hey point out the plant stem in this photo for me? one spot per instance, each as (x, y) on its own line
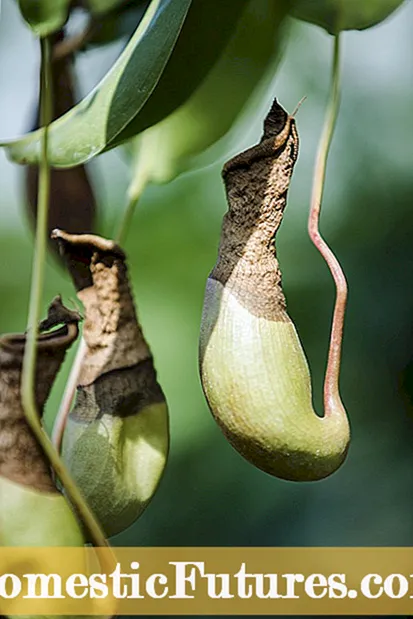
(136, 188)
(30, 353)
(41, 228)
(331, 382)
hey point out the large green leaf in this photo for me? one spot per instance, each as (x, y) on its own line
(171, 146)
(207, 29)
(89, 127)
(44, 16)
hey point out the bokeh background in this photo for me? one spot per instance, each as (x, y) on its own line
(209, 494)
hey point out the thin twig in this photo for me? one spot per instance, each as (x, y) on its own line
(29, 362)
(331, 382)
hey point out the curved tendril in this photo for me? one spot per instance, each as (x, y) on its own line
(30, 352)
(331, 382)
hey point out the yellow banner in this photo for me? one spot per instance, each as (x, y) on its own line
(212, 581)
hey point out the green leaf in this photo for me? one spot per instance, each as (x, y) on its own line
(169, 147)
(337, 15)
(87, 129)
(209, 26)
(44, 16)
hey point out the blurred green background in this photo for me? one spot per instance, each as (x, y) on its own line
(209, 494)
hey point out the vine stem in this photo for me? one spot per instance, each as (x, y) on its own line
(30, 353)
(331, 381)
(136, 188)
